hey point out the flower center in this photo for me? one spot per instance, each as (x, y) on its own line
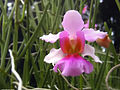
(71, 45)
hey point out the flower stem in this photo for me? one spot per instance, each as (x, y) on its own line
(67, 81)
(23, 14)
(81, 80)
(107, 77)
(91, 6)
(5, 49)
(4, 32)
(118, 4)
(94, 15)
(27, 56)
(15, 35)
(81, 6)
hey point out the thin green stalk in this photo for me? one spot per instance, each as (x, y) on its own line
(81, 82)
(32, 23)
(23, 12)
(5, 49)
(34, 36)
(73, 81)
(67, 6)
(106, 27)
(35, 70)
(114, 54)
(11, 14)
(41, 60)
(1, 41)
(15, 35)
(1, 20)
(21, 47)
(67, 81)
(118, 4)
(46, 75)
(81, 6)
(94, 15)
(3, 33)
(53, 81)
(27, 56)
(59, 9)
(42, 54)
(100, 76)
(90, 17)
(3, 8)
(71, 4)
(37, 11)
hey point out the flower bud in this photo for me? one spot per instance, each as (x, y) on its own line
(105, 42)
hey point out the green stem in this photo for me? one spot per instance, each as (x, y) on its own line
(59, 9)
(5, 49)
(3, 35)
(118, 4)
(46, 75)
(94, 15)
(91, 6)
(15, 35)
(1, 41)
(81, 81)
(100, 77)
(23, 14)
(3, 8)
(3, 32)
(81, 6)
(27, 57)
(34, 36)
(53, 81)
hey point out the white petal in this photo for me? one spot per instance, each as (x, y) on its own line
(52, 38)
(91, 35)
(90, 51)
(54, 56)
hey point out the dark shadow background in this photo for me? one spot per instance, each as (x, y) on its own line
(109, 12)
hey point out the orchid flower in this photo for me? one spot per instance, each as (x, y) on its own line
(69, 58)
(105, 42)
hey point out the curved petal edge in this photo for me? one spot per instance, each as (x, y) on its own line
(91, 35)
(73, 65)
(52, 38)
(90, 51)
(54, 56)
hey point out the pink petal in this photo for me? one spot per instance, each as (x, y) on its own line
(52, 38)
(96, 25)
(72, 45)
(54, 56)
(91, 35)
(86, 25)
(65, 42)
(90, 51)
(72, 21)
(84, 9)
(81, 40)
(73, 65)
